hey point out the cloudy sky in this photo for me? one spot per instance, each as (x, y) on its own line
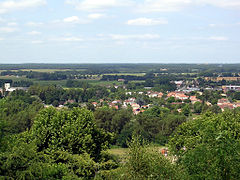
(119, 31)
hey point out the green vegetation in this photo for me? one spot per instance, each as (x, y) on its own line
(118, 122)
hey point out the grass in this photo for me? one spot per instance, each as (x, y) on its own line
(15, 78)
(47, 70)
(122, 153)
(62, 82)
(45, 83)
(103, 83)
(127, 74)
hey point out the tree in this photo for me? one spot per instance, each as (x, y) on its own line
(208, 147)
(146, 162)
(197, 107)
(73, 131)
(121, 118)
(62, 144)
(186, 110)
(104, 117)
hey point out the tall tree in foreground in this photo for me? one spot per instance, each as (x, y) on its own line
(209, 147)
(62, 144)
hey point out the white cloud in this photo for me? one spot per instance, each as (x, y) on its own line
(12, 24)
(177, 5)
(163, 5)
(12, 5)
(34, 33)
(97, 5)
(34, 24)
(146, 22)
(1, 39)
(96, 16)
(72, 19)
(199, 38)
(8, 29)
(218, 38)
(68, 39)
(234, 4)
(135, 36)
(37, 42)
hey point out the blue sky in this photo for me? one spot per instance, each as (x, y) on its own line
(119, 31)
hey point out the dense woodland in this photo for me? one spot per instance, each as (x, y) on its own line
(56, 132)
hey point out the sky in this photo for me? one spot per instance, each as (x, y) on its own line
(119, 31)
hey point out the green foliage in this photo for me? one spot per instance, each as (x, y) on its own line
(62, 144)
(145, 162)
(157, 123)
(69, 130)
(23, 162)
(186, 110)
(112, 120)
(17, 112)
(197, 107)
(208, 147)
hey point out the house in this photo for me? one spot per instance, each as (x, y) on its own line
(112, 105)
(194, 99)
(153, 94)
(181, 96)
(135, 106)
(121, 80)
(226, 106)
(117, 102)
(171, 94)
(128, 93)
(223, 101)
(69, 101)
(160, 95)
(94, 104)
(178, 83)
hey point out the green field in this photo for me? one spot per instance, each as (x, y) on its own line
(127, 74)
(62, 82)
(14, 78)
(122, 153)
(45, 70)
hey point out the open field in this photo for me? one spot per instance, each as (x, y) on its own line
(62, 82)
(14, 78)
(127, 74)
(122, 153)
(103, 83)
(45, 70)
(44, 83)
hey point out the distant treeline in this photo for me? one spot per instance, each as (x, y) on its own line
(36, 75)
(125, 77)
(114, 68)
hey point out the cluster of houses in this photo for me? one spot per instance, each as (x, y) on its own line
(137, 108)
(179, 95)
(226, 104)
